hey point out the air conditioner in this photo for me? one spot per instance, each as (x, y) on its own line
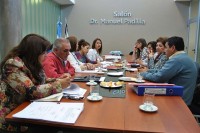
(182, 0)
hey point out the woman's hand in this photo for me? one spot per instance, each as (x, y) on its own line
(138, 61)
(90, 66)
(83, 67)
(98, 64)
(65, 75)
(151, 54)
(65, 82)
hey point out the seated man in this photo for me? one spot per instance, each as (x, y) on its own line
(179, 69)
(55, 64)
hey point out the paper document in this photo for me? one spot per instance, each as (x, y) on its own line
(52, 111)
(92, 71)
(102, 79)
(108, 57)
(52, 98)
(74, 89)
(107, 62)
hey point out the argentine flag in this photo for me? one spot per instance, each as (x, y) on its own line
(59, 28)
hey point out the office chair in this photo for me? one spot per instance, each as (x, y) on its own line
(197, 117)
(195, 105)
(195, 109)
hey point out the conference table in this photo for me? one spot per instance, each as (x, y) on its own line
(123, 114)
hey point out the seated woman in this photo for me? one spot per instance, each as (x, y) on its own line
(157, 61)
(78, 65)
(95, 52)
(83, 48)
(151, 46)
(23, 79)
(140, 52)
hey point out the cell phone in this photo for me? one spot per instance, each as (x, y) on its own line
(80, 77)
(75, 97)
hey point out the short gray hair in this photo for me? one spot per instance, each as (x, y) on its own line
(59, 42)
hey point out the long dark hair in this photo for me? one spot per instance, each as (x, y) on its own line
(93, 45)
(29, 49)
(83, 43)
(143, 42)
(153, 45)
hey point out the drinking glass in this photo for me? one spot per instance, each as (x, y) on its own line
(139, 77)
(124, 63)
(94, 91)
(148, 101)
(91, 78)
(100, 68)
(116, 60)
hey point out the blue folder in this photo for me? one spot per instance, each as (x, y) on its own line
(159, 90)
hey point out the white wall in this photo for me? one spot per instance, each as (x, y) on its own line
(162, 17)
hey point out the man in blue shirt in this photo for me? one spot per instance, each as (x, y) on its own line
(179, 69)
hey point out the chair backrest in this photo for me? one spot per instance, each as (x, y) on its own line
(196, 96)
(195, 105)
(198, 71)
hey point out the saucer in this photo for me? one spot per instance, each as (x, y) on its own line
(91, 83)
(115, 73)
(137, 80)
(142, 107)
(131, 69)
(94, 98)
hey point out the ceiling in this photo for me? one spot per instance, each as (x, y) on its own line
(65, 2)
(182, 0)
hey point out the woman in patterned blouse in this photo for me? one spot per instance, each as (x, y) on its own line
(140, 52)
(23, 79)
(159, 59)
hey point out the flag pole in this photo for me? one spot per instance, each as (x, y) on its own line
(66, 28)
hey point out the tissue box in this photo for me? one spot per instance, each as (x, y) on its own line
(115, 53)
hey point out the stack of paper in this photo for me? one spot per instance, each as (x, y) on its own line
(52, 111)
(108, 57)
(92, 71)
(52, 98)
(74, 89)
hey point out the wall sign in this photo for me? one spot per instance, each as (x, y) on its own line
(119, 18)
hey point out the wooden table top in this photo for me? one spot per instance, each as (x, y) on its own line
(123, 115)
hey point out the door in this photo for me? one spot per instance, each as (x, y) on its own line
(193, 30)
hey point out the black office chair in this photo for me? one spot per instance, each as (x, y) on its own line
(195, 105)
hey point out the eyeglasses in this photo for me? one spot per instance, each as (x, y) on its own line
(66, 50)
